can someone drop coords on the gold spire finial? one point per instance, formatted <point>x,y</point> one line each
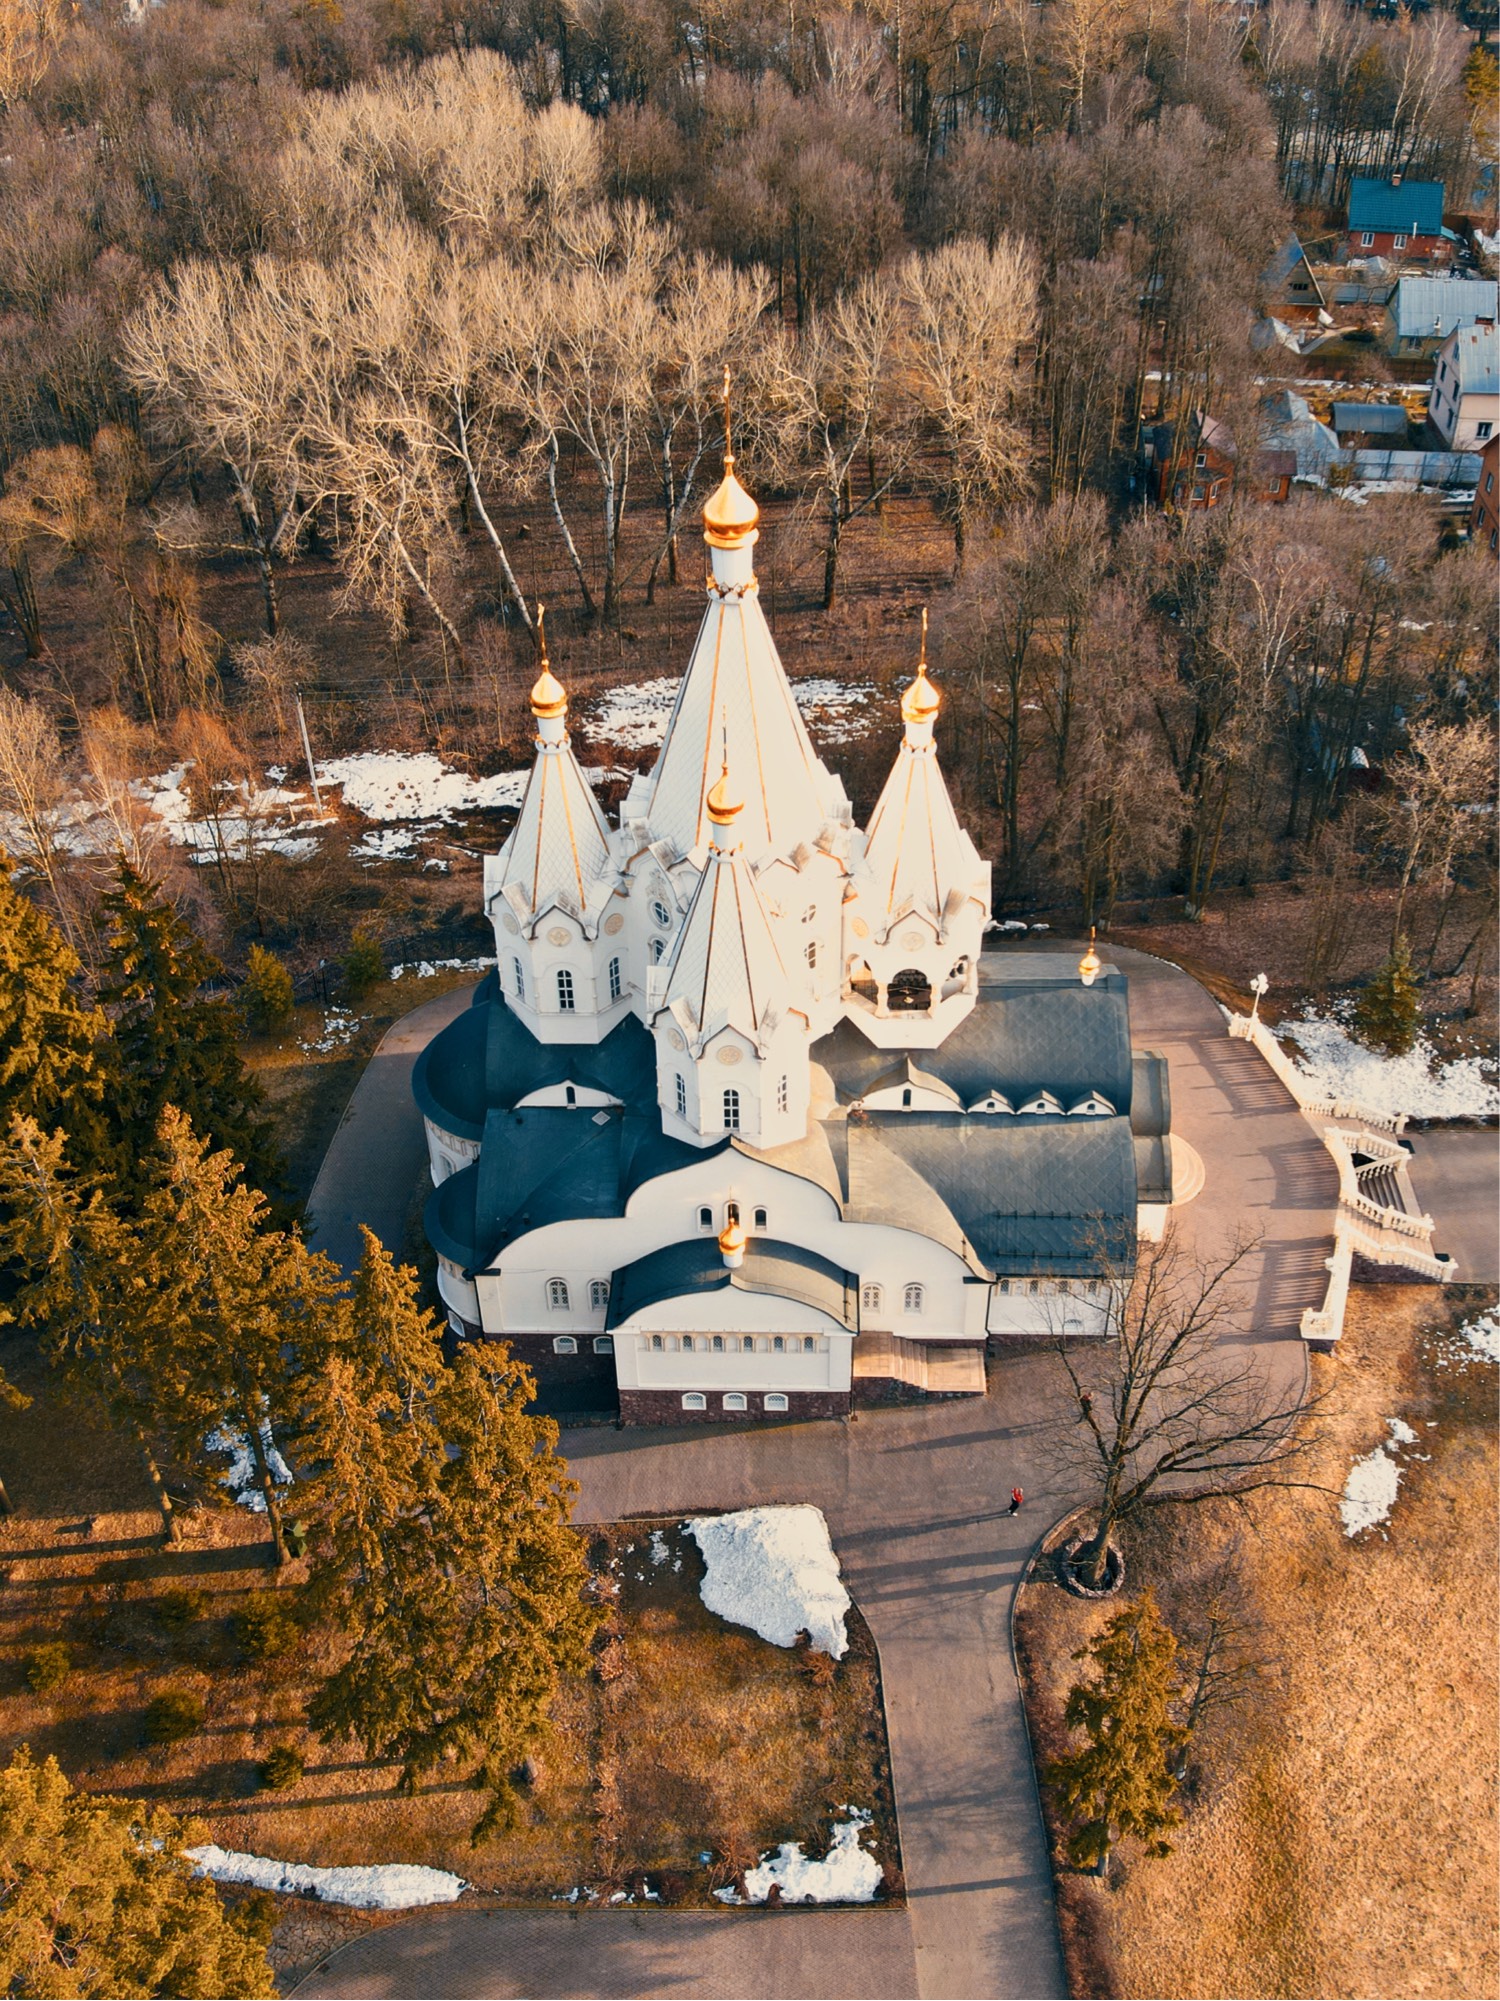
<point>549,698</point>
<point>730,517</point>
<point>1090,965</point>
<point>723,808</point>
<point>921,701</point>
<point>728,433</point>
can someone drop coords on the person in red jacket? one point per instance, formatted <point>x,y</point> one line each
<point>1016,1498</point>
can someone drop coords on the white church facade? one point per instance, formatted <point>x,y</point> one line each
<point>742,1127</point>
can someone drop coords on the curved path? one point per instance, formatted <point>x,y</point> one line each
<point>914,1502</point>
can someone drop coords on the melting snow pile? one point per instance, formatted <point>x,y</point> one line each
<point>339,1029</point>
<point>428,969</point>
<point>378,1886</point>
<point>403,785</point>
<point>1476,1341</point>
<point>847,1874</point>
<point>242,1480</point>
<point>774,1570</point>
<point>1370,1490</point>
<point>1340,1067</point>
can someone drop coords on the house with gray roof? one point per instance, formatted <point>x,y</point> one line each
<point>1422,312</point>
<point>1464,407</point>
<point>745,1125</point>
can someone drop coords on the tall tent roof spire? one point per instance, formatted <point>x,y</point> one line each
<point>559,846</point>
<point>726,970</point>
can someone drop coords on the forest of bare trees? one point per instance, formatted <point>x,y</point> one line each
<point>366,305</point>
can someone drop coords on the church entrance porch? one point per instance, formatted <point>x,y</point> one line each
<point>888,1369</point>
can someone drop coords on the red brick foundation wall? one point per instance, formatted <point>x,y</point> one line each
<point>552,1369</point>
<point>665,1407</point>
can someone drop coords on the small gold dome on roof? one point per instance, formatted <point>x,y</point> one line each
<point>732,1240</point>
<point>730,517</point>
<point>1090,965</point>
<point>723,808</point>
<point>921,701</point>
<point>548,696</point>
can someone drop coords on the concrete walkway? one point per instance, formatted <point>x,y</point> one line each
<point>1456,1175</point>
<point>914,1500</point>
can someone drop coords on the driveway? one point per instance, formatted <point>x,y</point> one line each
<point>914,1502</point>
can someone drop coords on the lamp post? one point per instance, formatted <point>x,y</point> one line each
<point>1257,987</point>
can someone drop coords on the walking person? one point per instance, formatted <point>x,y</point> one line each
<point>1016,1498</point>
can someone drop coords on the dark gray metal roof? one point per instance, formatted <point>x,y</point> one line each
<point>1387,419</point>
<point>770,1266</point>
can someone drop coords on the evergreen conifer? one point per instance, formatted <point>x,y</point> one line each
<point>97,1898</point>
<point>1120,1781</point>
<point>55,1052</point>
<point>1388,1013</point>
<point>176,1044</point>
<point>446,1552</point>
<point>266,998</point>
<point>363,963</point>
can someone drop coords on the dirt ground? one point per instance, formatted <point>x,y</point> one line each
<point>692,1748</point>
<point>1339,1837</point>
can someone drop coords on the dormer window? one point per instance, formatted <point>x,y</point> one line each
<point>570,1094</point>
<point>1043,1102</point>
<point>731,1110</point>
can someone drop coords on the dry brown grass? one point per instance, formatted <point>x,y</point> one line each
<point>1340,1834</point>
<point>690,1738</point>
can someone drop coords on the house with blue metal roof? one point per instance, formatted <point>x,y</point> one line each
<point>744,1125</point>
<point>1391,216</point>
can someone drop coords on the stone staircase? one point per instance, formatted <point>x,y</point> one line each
<point>936,1368</point>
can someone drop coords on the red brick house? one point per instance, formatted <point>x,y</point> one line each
<point>1485,519</point>
<point>1191,467</point>
<point>1390,216</point>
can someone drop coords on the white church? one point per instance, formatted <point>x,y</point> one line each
<point>742,1127</point>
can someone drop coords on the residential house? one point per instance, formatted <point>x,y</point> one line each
<point>1271,476</point>
<point>1464,406</point>
<point>1290,281</point>
<point>1422,312</point>
<point>1190,467</point>
<point>1392,216</point>
<point>1381,425</point>
<point>1290,426</point>
<point>1485,519</point>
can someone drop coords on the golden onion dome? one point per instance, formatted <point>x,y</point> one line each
<point>723,807</point>
<point>732,1240</point>
<point>730,516</point>
<point>548,696</point>
<point>921,701</point>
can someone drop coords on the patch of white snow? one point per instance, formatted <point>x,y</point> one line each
<point>774,1570</point>
<point>847,1874</point>
<point>375,1886</point>
<point>1339,1067</point>
<point>242,1480</point>
<point>1371,1488</point>
<point>416,785</point>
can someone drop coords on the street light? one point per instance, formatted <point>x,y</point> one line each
<point>1257,986</point>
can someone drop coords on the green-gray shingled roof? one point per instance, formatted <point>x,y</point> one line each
<point>770,1266</point>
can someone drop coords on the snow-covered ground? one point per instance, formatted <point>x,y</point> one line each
<point>408,785</point>
<point>241,1480</point>
<point>635,717</point>
<point>1474,1343</point>
<point>1417,1084</point>
<point>339,1029</point>
<point>428,969</point>
<point>774,1570</point>
<point>1371,1488</point>
<point>847,1874</point>
<point>377,1886</point>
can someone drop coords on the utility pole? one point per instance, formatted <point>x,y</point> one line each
<point>307,752</point>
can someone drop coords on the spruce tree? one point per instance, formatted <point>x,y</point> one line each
<point>1120,1781</point>
<point>55,1052</point>
<point>266,998</point>
<point>98,1898</point>
<point>1388,1013</point>
<point>77,1268</point>
<point>176,1044</point>
<point>226,1304</point>
<point>445,1549</point>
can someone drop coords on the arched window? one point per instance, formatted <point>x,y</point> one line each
<point>906,1098</point>
<point>731,1212</point>
<point>656,1344</point>
<point>909,992</point>
<point>557,1294</point>
<point>809,1344</point>
<point>705,1218</point>
<point>810,913</point>
<point>783,1094</point>
<point>565,1345</point>
<point>604,1344</point>
<point>616,985</point>
<point>775,1401</point>
<point>687,1343</point>
<point>660,913</point>
<point>695,1400</point>
<point>718,1344</point>
<point>520,979</point>
<point>598,1294</point>
<point>570,1094</point>
<point>778,1346</point>
<point>565,999</point>
<point>735,1400</point>
<point>811,954</point>
<point>681,1098</point>
<point>658,947</point>
<point>871,1298</point>
<point>731,1110</point>
<point>915,1295</point>
<point>747,1344</point>
<point>762,1219</point>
